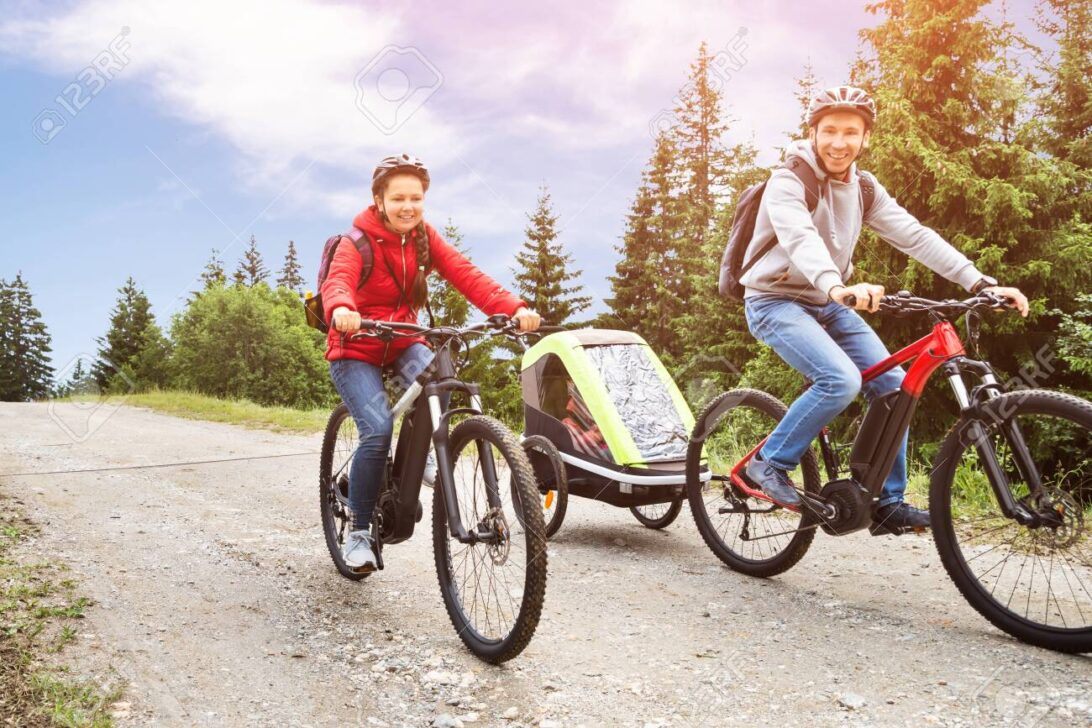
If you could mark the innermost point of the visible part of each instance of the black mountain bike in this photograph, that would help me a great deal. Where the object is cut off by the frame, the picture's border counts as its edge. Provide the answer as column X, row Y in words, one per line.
column 490, row 551
column 1010, row 496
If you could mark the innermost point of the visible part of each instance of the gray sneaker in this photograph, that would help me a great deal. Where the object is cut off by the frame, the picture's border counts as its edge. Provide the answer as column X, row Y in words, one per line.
column 429, row 477
column 357, row 551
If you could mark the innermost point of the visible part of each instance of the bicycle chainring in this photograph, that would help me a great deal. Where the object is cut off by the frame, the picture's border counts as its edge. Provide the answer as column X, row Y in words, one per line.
column 386, row 514
column 852, row 507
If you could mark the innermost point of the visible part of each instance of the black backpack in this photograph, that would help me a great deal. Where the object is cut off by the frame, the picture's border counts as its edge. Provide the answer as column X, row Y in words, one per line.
column 313, row 302
column 732, row 267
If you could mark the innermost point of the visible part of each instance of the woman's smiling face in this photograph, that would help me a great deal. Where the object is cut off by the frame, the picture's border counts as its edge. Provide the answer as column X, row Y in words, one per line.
column 403, row 200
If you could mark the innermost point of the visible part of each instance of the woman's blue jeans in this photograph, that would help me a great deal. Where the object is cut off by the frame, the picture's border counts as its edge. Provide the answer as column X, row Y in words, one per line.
column 360, row 385
column 831, row 345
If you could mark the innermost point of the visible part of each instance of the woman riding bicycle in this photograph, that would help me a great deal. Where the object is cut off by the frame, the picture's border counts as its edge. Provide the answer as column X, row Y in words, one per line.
column 405, row 249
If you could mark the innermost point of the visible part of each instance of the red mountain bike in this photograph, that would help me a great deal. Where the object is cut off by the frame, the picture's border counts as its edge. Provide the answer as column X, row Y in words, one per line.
column 1010, row 494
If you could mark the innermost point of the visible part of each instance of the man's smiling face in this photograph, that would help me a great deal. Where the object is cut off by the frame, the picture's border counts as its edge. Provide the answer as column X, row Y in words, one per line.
column 839, row 138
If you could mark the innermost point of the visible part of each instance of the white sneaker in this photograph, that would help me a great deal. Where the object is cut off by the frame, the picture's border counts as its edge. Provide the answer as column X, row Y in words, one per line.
column 429, row 477
column 358, row 553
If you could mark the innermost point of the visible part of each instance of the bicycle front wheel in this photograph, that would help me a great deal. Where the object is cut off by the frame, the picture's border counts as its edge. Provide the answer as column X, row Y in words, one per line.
column 751, row 535
column 494, row 587
column 1032, row 580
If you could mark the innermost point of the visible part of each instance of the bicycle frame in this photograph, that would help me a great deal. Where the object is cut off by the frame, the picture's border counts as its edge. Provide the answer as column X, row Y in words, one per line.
column 418, row 428
column 887, row 419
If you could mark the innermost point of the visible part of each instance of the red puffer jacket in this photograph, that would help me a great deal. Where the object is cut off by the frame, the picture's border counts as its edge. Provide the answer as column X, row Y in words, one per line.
column 381, row 298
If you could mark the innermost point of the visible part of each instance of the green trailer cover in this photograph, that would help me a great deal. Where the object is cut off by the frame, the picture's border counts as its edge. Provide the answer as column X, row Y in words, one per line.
column 639, row 410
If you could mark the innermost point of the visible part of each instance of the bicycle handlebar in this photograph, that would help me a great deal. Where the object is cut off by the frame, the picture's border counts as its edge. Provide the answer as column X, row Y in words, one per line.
column 903, row 302
column 499, row 324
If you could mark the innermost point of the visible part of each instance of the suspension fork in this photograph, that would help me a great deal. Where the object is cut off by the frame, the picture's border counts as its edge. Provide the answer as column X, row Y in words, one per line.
column 445, row 475
column 968, row 406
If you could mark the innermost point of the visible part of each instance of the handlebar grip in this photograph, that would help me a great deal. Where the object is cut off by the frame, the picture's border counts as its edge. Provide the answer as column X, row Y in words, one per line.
column 850, row 301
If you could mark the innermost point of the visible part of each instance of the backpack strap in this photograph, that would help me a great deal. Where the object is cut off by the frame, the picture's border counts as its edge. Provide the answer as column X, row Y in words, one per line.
column 868, row 191
column 812, row 191
column 804, row 173
column 363, row 244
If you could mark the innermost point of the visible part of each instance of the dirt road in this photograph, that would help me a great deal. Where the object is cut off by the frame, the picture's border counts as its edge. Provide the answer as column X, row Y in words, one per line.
column 217, row 605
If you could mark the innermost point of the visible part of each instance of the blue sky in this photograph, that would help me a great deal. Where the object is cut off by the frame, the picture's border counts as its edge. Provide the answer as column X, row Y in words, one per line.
column 206, row 122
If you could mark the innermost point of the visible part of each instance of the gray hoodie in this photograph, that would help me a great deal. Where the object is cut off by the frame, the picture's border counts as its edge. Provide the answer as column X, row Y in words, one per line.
column 815, row 251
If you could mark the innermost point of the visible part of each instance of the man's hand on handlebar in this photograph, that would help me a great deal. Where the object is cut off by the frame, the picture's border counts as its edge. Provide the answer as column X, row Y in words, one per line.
column 527, row 319
column 1013, row 296
column 862, row 296
column 345, row 319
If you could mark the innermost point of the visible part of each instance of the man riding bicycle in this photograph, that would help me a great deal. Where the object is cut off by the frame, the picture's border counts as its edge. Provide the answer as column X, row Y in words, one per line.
column 795, row 294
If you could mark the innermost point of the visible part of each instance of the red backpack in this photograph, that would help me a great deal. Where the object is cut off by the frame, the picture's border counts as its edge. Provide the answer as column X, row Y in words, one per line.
column 313, row 301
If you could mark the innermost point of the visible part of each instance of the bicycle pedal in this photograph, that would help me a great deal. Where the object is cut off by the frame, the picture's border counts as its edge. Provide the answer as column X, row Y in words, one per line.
column 879, row 529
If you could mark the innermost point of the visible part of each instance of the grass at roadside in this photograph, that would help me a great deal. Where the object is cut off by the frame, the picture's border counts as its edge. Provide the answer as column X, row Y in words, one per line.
column 232, row 411
column 38, row 609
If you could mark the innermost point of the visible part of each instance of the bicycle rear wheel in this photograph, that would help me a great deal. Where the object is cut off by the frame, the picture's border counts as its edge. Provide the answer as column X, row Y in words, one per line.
column 493, row 589
column 1032, row 581
column 338, row 445
column 751, row 535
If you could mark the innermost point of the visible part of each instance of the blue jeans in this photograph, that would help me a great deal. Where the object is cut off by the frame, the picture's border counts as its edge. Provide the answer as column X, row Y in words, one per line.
column 831, row 345
column 360, row 385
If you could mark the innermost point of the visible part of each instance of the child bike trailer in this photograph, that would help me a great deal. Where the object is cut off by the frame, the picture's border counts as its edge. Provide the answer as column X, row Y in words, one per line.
column 604, row 420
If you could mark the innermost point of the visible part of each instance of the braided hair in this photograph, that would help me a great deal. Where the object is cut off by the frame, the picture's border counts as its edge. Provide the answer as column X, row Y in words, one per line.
column 419, row 287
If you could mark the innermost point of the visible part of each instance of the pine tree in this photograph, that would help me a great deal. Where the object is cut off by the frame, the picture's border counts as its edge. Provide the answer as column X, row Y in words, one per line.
column 544, row 268
column 715, row 176
column 251, row 270
column 79, row 381
column 448, row 305
column 214, row 275
column 645, row 295
column 1065, row 101
column 807, row 86
column 25, row 371
column 290, row 276
column 133, row 353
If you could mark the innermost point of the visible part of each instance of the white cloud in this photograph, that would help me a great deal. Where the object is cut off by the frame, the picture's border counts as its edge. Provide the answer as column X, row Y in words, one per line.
column 522, row 96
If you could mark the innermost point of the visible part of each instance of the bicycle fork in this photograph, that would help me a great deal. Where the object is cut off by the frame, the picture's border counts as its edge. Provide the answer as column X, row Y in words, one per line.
column 445, row 474
column 969, row 403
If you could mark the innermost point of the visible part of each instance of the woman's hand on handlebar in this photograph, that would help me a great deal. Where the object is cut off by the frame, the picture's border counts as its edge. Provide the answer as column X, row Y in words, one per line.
column 862, row 296
column 1013, row 296
column 527, row 319
column 345, row 319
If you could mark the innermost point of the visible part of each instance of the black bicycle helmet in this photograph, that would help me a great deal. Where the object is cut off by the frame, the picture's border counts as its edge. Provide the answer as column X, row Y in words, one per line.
column 403, row 163
column 842, row 98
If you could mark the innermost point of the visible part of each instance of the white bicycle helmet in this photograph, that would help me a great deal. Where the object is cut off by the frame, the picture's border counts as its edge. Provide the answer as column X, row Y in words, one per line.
column 842, row 98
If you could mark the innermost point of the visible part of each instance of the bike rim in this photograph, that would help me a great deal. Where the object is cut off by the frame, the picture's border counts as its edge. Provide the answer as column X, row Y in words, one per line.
column 488, row 580
column 1039, row 576
column 753, row 529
